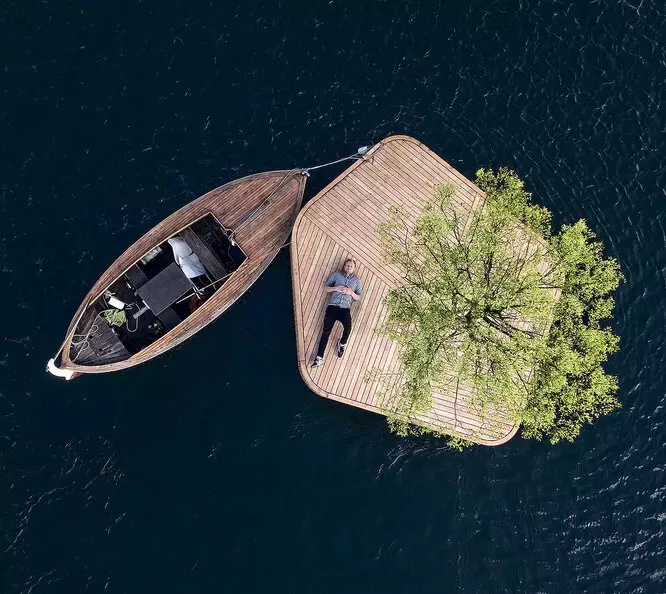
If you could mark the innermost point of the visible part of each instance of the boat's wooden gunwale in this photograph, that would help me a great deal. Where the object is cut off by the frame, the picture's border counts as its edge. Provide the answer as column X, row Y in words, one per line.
column 229, row 204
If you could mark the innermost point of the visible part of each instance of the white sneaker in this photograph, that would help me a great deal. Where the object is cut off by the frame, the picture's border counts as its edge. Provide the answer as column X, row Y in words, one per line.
column 317, row 362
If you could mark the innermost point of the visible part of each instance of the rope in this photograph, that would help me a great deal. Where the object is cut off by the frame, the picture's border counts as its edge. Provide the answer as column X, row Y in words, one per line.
column 128, row 307
column 205, row 287
column 355, row 157
column 84, row 343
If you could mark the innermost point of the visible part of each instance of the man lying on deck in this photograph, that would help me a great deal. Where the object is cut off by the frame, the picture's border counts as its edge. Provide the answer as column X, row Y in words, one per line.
column 344, row 287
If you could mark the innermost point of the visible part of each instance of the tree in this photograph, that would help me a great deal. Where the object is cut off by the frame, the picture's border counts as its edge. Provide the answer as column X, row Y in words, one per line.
column 479, row 304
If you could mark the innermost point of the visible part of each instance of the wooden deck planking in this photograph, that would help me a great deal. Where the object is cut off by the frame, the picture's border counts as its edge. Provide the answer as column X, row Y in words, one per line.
column 421, row 188
column 345, row 237
column 414, row 158
column 342, row 221
column 350, row 224
column 464, row 204
column 467, row 195
column 387, row 359
column 374, row 346
column 377, row 360
column 416, row 175
column 391, row 365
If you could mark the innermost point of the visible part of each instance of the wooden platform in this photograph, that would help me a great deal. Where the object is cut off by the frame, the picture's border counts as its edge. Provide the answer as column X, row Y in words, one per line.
column 342, row 221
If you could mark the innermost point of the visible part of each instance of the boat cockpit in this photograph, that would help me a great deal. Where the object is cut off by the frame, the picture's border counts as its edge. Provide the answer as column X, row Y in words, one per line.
column 156, row 294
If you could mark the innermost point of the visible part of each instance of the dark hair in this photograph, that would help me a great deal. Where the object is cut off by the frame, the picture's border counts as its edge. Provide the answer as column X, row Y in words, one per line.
column 350, row 260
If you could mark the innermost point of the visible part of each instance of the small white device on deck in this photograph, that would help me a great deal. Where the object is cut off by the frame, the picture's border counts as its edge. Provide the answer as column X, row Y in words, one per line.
column 115, row 302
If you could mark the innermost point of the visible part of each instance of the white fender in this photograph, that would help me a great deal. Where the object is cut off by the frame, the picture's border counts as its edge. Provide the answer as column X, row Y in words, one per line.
column 52, row 368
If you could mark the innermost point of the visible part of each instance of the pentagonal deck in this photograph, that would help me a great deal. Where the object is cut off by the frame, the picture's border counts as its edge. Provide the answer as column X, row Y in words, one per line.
column 342, row 221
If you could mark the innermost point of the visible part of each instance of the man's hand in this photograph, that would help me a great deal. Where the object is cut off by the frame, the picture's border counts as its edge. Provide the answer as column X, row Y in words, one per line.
column 342, row 289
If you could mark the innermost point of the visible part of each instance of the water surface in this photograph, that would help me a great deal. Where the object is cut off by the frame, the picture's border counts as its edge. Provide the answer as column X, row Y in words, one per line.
column 214, row 469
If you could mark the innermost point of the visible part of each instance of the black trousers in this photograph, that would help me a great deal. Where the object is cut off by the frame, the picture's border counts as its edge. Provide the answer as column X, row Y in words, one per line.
column 335, row 314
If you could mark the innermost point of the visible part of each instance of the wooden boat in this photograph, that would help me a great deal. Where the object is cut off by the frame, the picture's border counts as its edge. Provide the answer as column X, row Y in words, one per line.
column 156, row 294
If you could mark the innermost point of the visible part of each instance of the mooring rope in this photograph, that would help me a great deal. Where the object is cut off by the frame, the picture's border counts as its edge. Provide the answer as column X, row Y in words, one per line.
column 355, row 157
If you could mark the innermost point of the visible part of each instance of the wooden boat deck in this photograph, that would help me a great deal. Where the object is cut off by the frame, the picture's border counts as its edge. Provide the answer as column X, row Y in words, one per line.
column 341, row 222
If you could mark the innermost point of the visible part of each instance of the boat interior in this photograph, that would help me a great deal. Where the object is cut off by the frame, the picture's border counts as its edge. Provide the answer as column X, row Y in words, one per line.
column 156, row 294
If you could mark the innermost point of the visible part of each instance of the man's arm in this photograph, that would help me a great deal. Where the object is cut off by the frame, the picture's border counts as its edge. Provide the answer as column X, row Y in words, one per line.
column 330, row 285
column 338, row 288
column 356, row 295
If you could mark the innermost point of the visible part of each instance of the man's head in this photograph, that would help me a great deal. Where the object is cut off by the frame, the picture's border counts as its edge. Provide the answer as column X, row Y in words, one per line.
column 350, row 266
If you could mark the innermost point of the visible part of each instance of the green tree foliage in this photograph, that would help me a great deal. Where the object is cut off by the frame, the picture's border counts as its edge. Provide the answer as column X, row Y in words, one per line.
column 571, row 387
column 476, row 306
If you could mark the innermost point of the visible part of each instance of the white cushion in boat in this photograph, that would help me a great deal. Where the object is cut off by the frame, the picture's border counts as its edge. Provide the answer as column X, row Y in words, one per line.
column 185, row 258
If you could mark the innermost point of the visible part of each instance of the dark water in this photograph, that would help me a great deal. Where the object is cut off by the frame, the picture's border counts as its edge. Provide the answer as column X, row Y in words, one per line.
column 214, row 469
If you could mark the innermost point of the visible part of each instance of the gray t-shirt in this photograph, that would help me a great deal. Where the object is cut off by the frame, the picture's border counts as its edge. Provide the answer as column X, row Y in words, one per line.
column 348, row 280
